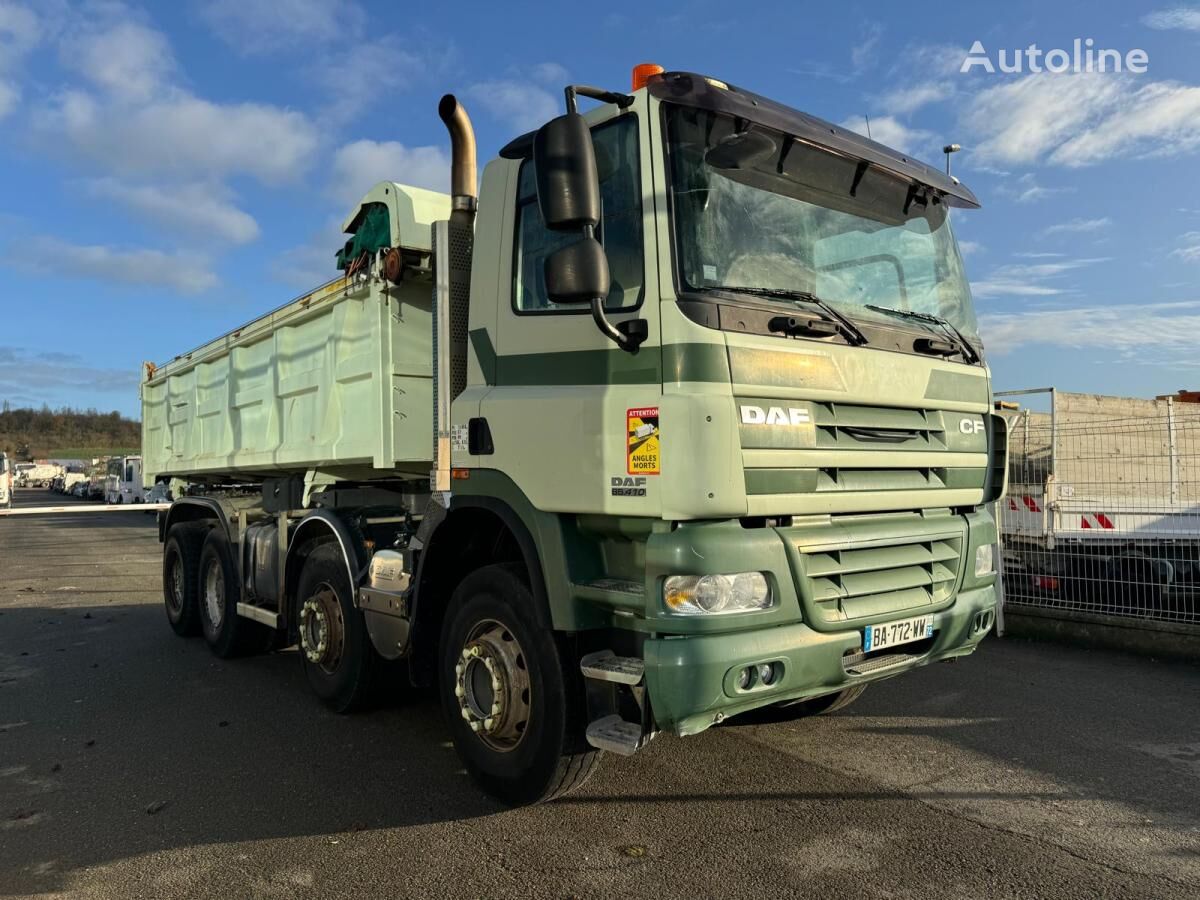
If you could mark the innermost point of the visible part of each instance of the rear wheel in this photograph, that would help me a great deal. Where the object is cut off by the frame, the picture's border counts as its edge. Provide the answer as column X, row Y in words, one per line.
column 513, row 701
column 227, row 633
column 181, row 578
column 335, row 648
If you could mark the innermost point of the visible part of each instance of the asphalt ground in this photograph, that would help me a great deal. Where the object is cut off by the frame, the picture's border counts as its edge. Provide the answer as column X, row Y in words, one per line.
column 135, row 764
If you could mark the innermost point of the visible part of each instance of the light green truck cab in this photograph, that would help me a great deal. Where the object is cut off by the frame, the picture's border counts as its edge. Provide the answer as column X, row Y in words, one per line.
column 682, row 413
column 852, row 477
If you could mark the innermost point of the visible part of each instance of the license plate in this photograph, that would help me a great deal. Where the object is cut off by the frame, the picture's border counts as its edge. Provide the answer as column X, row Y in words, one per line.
column 891, row 634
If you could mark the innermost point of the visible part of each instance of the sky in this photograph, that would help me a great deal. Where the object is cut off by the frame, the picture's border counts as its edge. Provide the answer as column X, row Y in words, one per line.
column 169, row 171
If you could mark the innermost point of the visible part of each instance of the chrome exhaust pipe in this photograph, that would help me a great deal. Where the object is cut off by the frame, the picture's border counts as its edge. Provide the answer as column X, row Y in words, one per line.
column 463, row 192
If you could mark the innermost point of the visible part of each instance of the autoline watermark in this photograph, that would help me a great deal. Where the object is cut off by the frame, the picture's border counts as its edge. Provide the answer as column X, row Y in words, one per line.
column 1082, row 57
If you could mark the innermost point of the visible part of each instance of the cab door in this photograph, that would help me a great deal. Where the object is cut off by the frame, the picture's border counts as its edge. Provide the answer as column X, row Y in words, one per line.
column 573, row 417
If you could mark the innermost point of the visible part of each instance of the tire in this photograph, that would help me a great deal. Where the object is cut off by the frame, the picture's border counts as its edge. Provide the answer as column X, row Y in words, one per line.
column 335, row 648
column 228, row 634
column 535, row 750
column 820, row 706
column 181, row 578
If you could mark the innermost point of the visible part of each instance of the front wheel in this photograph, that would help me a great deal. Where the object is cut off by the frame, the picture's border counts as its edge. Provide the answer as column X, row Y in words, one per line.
column 513, row 701
column 818, row 706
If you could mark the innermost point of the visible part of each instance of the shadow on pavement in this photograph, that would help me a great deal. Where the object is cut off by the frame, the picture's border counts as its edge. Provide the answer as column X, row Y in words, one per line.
column 117, row 738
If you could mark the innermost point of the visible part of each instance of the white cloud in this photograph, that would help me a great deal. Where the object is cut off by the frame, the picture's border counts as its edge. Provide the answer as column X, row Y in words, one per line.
column 1082, row 119
column 265, row 26
column 890, row 131
column 126, row 59
column 862, row 55
column 359, row 165
column 183, row 134
column 999, row 287
column 312, row 263
column 20, row 33
column 906, row 100
column 1029, row 279
column 187, row 273
column 1181, row 17
column 1189, row 247
column 201, row 210
column 23, row 371
column 550, row 73
column 1164, row 329
column 1078, row 226
column 520, row 105
column 10, row 96
column 1026, row 189
column 966, row 248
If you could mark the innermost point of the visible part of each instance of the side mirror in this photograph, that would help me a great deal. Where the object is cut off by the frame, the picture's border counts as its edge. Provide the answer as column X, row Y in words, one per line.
column 568, row 193
column 577, row 273
column 568, row 184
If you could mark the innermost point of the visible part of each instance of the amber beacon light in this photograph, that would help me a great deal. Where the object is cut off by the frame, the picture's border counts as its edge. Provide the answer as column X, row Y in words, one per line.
column 642, row 73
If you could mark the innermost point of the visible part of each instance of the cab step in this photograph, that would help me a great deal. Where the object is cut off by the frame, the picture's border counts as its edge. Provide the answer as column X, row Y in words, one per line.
column 604, row 665
column 614, row 734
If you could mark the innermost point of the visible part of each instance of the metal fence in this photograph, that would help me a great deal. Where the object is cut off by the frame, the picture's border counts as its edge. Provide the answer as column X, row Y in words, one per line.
column 1102, row 515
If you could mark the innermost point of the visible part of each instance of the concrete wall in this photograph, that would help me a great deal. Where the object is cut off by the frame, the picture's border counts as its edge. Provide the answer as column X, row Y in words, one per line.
column 1111, row 447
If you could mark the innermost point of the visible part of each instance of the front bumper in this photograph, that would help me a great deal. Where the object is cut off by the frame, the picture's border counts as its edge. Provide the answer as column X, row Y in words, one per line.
column 691, row 679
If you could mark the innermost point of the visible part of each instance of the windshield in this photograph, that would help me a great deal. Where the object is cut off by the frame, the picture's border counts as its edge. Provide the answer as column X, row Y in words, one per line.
column 754, row 208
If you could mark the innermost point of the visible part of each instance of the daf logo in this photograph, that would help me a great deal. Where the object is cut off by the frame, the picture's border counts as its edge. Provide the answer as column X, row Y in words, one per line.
column 970, row 426
column 775, row 415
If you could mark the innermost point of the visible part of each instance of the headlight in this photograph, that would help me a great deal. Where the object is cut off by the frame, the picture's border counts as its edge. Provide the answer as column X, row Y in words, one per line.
column 985, row 560
column 697, row 595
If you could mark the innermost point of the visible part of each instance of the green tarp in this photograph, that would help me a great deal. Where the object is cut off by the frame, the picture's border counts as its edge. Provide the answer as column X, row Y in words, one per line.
column 373, row 233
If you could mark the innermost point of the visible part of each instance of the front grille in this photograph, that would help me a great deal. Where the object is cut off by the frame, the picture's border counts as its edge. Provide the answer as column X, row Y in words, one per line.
column 906, row 576
column 858, row 569
column 845, row 457
column 846, row 426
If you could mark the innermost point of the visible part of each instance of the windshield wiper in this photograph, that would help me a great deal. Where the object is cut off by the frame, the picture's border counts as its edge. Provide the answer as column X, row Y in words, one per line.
column 849, row 330
column 966, row 348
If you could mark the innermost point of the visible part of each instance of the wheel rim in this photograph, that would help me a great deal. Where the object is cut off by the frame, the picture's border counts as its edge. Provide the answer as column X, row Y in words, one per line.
column 175, row 590
column 492, row 686
column 214, row 593
column 322, row 629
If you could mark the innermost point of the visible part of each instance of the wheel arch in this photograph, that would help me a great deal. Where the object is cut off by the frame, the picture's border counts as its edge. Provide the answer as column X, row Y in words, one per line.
column 476, row 532
column 192, row 509
column 321, row 526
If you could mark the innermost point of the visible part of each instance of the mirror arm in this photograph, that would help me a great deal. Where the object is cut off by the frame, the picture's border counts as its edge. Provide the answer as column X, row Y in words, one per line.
column 622, row 101
column 629, row 340
column 606, row 326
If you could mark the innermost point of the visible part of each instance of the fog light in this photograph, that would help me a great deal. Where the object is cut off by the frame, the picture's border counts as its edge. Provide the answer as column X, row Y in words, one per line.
column 766, row 673
column 693, row 595
column 746, row 678
column 985, row 560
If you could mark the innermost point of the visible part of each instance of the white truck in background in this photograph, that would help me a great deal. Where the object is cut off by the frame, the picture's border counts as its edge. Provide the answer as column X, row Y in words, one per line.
column 6, row 482
column 124, row 481
column 70, row 479
column 38, row 474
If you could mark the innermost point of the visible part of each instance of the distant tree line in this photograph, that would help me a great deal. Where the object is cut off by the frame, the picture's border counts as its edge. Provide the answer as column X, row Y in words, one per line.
column 39, row 433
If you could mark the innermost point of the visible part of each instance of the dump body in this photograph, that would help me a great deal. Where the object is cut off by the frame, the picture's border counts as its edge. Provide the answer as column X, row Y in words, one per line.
column 338, row 380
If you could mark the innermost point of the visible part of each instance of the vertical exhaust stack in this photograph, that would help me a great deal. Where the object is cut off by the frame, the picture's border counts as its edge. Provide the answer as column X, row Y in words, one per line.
column 462, row 160
column 453, row 247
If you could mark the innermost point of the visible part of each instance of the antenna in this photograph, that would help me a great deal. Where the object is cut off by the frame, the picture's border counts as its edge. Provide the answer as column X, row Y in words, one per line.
column 868, row 120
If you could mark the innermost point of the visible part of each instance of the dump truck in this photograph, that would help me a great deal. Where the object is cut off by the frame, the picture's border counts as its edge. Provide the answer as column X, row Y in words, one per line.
column 681, row 414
